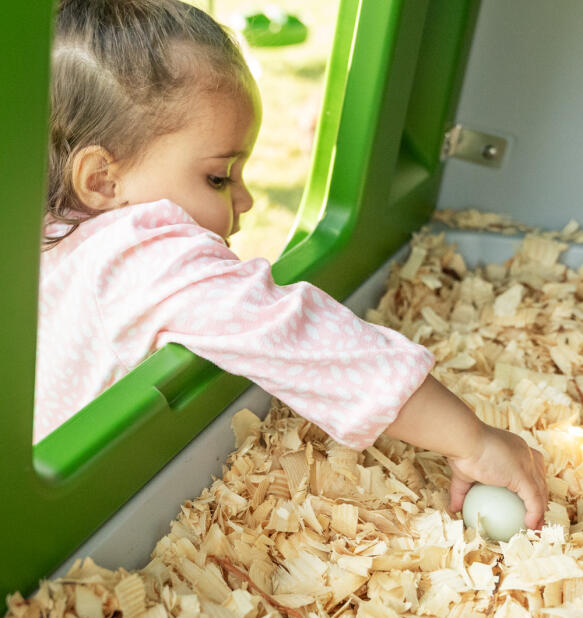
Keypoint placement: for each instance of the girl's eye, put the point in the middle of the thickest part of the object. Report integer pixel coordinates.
(218, 182)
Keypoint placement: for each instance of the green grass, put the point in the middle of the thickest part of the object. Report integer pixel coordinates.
(291, 81)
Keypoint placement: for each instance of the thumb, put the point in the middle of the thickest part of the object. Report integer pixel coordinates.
(457, 491)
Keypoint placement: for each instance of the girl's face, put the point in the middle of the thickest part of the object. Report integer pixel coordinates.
(200, 166)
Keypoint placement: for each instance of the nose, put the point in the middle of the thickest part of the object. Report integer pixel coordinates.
(243, 201)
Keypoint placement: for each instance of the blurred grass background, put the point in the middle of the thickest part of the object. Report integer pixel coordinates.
(291, 81)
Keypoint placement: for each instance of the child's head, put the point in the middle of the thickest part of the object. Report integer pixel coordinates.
(150, 99)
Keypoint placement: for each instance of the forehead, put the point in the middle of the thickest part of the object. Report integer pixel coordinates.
(224, 115)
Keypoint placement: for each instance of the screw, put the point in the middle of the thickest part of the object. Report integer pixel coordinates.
(489, 152)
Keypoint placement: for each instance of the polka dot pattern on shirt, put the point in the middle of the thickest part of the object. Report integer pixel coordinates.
(131, 280)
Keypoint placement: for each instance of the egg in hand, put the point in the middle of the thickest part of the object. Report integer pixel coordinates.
(500, 510)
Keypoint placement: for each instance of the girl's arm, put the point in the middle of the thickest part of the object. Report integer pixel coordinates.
(435, 419)
(178, 283)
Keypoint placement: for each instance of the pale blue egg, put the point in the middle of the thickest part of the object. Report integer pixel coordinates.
(501, 511)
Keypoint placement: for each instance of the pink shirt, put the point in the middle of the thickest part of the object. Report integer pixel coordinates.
(131, 280)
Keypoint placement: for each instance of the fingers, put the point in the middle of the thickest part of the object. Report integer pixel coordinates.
(535, 508)
(534, 492)
(506, 461)
(457, 491)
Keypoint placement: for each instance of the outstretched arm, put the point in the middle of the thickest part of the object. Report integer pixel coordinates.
(435, 419)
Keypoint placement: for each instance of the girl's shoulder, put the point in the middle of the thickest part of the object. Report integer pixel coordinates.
(148, 216)
(134, 238)
(118, 229)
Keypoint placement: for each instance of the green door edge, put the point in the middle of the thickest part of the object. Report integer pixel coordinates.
(392, 83)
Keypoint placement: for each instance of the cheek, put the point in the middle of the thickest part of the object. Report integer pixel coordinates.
(215, 212)
(139, 187)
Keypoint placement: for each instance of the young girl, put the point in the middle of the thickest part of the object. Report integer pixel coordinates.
(154, 115)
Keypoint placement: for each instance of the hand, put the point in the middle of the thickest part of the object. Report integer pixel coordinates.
(503, 459)
(436, 420)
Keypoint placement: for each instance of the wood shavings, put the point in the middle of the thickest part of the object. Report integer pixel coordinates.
(540, 571)
(301, 526)
(87, 603)
(131, 595)
(509, 376)
(415, 260)
(472, 219)
(345, 519)
(283, 518)
(250, 606)
(244, 425)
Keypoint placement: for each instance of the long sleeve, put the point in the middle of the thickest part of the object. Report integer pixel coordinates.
(173, 281)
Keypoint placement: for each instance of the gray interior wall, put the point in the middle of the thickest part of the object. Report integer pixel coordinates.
(524, 82)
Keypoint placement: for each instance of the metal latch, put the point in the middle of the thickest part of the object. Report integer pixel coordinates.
(469, 145)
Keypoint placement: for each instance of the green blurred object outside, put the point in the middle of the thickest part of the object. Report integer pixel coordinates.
(272, 27)
(391, 88)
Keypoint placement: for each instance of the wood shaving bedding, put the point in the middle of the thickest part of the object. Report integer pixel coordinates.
(300, 526)
(472, 219)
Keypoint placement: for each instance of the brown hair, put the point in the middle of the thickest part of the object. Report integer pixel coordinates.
(118, 76)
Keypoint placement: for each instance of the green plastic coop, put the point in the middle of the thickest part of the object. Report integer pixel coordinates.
(393, 83)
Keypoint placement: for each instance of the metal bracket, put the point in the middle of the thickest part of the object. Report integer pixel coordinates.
(474, 146)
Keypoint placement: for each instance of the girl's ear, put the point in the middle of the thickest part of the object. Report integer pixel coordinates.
(92, 178)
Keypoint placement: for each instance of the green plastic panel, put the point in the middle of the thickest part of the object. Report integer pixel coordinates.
(392, 84)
